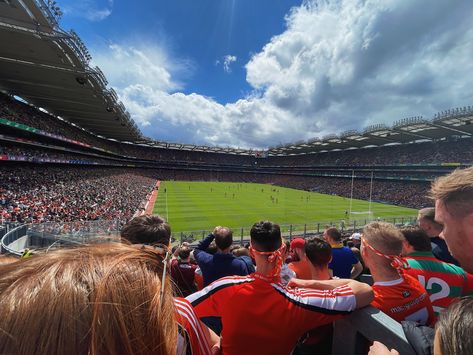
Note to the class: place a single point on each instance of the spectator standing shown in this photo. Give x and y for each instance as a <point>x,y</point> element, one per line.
<point>259,315</point>
<point>398,295</point>
<point>426,221</point>
<point>147,230</point>
<point>444,282</point>
<point>453,196</point>
<point>223,262</point>
<point>183,272</point>
<point>344,263</point>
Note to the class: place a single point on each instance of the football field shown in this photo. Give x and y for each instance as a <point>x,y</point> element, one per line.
<point>200,206</point>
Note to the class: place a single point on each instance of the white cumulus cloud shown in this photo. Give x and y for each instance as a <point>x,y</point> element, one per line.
<point>338,65</point>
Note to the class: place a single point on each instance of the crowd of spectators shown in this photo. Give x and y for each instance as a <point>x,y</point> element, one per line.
<point>117,298</point>
<point>42,193</point>
<point>450,151</point>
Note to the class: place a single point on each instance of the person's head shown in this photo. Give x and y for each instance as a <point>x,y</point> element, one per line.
<point>332,235</point>
<point>426,221</point>
<point>223,238</point>
<point>147,229</point>
<point>184,253</point>
<point>385,238</point>
<point>241,251</point>
<point>265,236</point>
<point>319,252</point>
<point>298,248</point>
<point>453,196</point>
<point>416,239</point>
<point>454,328</point>
<point>267,248</point>
<point>100,299</point>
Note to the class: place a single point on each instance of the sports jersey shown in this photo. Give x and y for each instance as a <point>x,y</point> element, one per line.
<point>192,339</point>
<point>263,317</point>
<point>404,299</point>
<point>342,262</point>
<point>301,269</point>
<point>183,274</point>
<point>444,282</point>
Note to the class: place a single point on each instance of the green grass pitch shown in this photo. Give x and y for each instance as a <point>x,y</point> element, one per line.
<point>200,206</point>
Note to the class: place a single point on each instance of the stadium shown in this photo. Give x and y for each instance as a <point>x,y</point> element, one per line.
<point>76,168</point>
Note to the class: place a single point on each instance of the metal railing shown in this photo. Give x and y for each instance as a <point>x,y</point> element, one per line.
<point>288,231</point>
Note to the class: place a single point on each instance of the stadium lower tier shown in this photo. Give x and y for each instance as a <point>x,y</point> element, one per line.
<point>35,193</point>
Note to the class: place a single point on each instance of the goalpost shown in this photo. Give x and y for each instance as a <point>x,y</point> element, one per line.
<point>361,214</point>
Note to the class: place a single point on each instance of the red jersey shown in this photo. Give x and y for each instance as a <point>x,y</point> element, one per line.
<point>191,338</point>
<point>403,299</point>
<point>444,282</point>
<point>261,317</point>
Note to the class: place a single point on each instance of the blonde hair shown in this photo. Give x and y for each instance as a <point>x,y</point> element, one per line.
<point>455,191</point>
<point>384,237</point>
<point>100,299</point>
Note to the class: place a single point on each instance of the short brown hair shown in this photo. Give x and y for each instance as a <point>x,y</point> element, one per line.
<point>224,238</point>
<point>318,251</point>
<point>455,191</point>
<point>384,237</point>
<point>334,234</point>
<point>417,238</point>
<point>428,214</point>
<point>99,299</point>
<point>147,229</point>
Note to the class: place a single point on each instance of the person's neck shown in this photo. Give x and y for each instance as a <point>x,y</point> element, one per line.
<point>320,273</point>
<point>384,273</point>
<point>263,267</point>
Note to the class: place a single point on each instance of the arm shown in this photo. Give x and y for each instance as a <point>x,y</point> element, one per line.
<point>357,270</point>
<point>362,292</point>
<point>199,252</point>
<point>212,338</point>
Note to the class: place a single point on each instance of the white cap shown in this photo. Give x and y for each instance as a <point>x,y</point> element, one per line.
<point>356,236</point>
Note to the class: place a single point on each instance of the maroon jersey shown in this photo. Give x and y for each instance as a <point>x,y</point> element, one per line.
<point>183,275</point>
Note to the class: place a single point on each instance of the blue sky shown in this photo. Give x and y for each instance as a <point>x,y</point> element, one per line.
<point>257,73</point>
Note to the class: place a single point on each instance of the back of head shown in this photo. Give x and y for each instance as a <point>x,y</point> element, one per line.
<point>224,238</point>
<point>334,234</point>
<point>455,192</point>
<point>384,237</point>
<point>101,299</point>
<point>147,229</point>
<point>454,327</point>
<point>184,252</point>
<point>266,236</point>
<point>427,215</point>
<point>241,252</point>
<point>417,238</point>
<point>318,251</point>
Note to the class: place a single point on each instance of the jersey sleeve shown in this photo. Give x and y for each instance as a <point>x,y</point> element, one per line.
<point>468,289</point>
<point>196,336</point>
<point>314,308</point>
<point>212,299</point>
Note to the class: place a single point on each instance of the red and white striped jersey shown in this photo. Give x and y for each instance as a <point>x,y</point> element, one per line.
<point>259,316</point>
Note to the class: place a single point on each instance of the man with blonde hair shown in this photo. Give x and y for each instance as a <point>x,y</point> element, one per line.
<point>397,294</point>
<point>453,195</point>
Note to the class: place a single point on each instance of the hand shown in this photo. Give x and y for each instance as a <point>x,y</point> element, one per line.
<point>380,349</point>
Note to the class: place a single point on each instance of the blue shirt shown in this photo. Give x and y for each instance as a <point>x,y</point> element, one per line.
<point>342,262</point>
<point>216,266</point>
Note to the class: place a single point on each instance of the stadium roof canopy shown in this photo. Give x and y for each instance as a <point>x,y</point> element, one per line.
<point>456,122</point>
<point>49,68</point>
